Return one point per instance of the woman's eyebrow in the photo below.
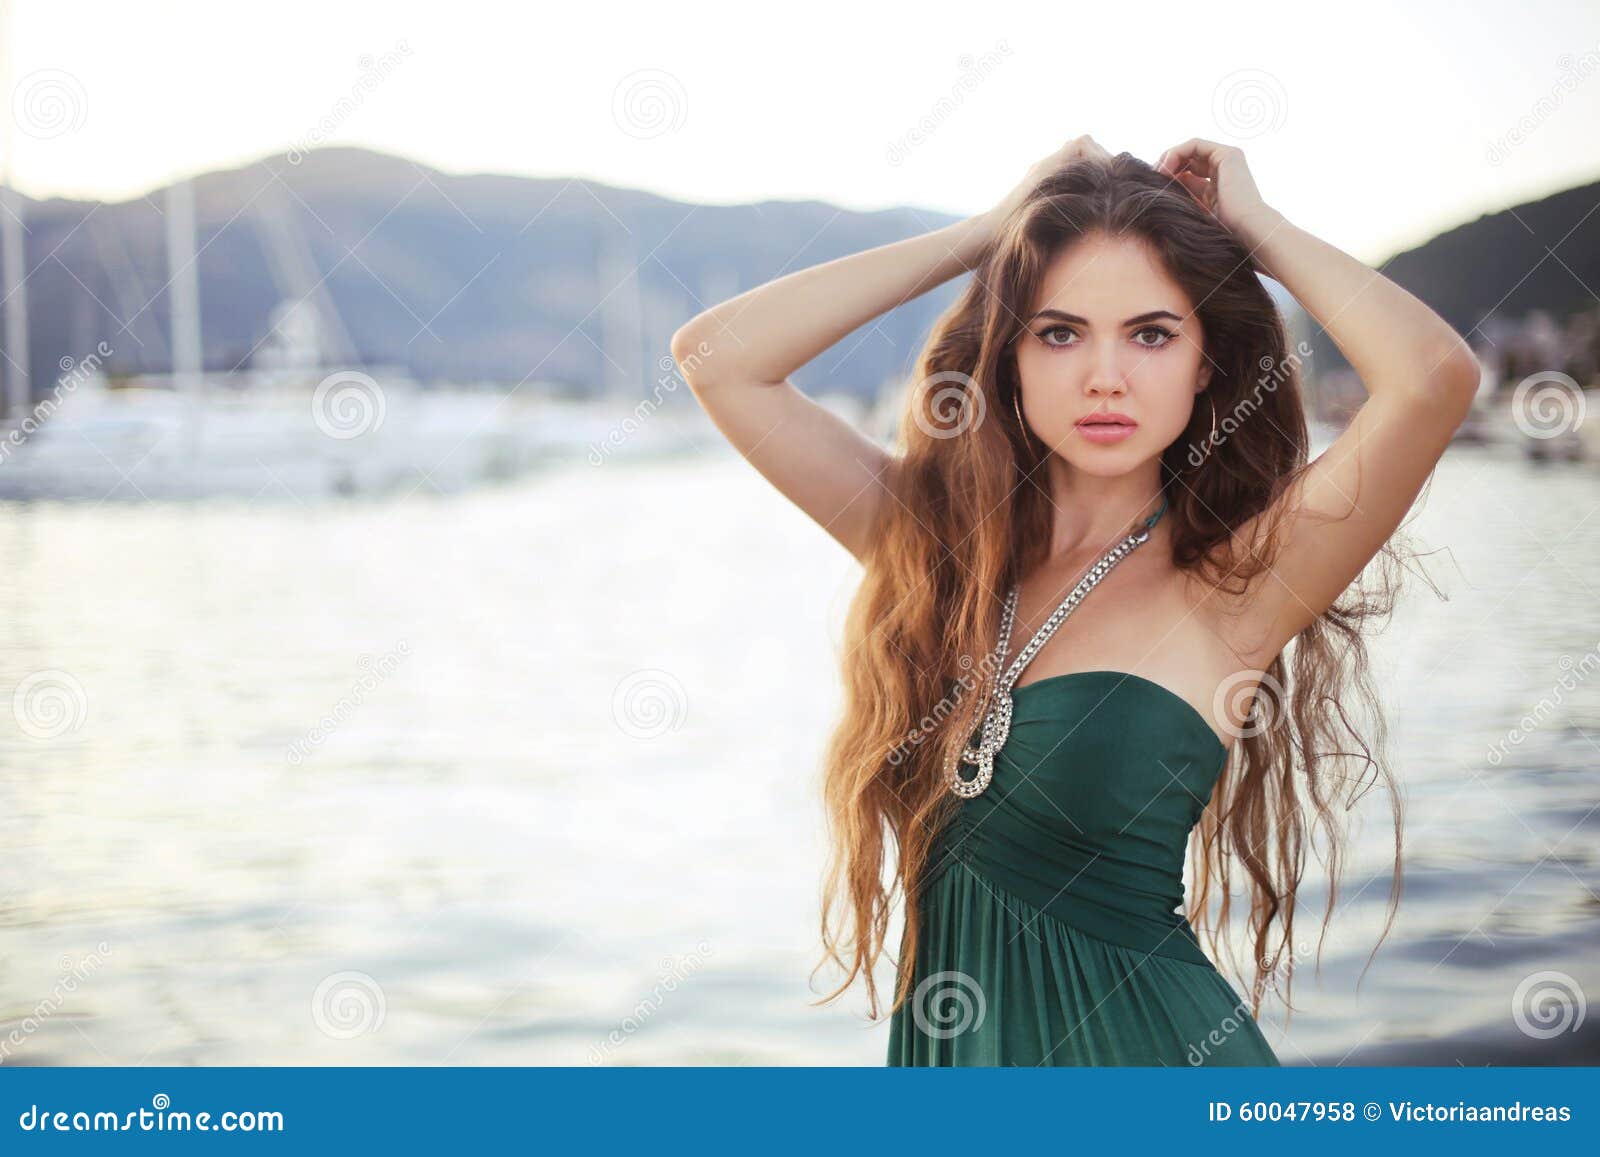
(1059, 315)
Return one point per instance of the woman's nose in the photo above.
(1106, 374)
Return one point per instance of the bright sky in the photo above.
(1369, 124)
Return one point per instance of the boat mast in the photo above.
(183, 285)
(17, 395)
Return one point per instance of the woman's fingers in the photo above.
(1173, 160)
(1197, 154)
(1077, 147)
(1216, 176)
(1084, 146)
(1199, 187)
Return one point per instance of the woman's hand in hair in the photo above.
(1218, 178)
(1078, 147)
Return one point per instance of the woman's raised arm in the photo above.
(737, 357)
(1420, 377)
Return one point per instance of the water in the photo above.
(564, 808)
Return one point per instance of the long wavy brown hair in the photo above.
(970, 515)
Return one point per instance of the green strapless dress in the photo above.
(1053, 931)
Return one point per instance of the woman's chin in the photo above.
(1103, 461)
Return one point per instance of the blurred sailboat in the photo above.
(306, 418)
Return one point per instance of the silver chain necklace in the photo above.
(997, 718)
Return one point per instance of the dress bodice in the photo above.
(1100, 781)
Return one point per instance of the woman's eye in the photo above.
(1057, 337)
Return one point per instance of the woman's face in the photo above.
(1110, 333)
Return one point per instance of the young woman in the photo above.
(1110, 406)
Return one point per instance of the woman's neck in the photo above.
(1092, 511)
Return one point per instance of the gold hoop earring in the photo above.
(1017, 406)
(1211, 444)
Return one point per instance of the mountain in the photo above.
(459, 278)
(573, 286)
(1537, 256)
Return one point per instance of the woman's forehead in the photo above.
(1107, 280)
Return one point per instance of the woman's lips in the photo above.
(1105, 432)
